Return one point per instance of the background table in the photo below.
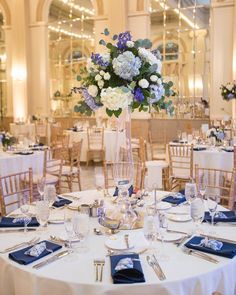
(73, 275)
(109, 143)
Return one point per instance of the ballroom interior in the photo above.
(117, 147)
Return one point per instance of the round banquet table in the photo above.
(12, 163)
(74, 274)
(109, 143)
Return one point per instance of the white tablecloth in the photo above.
(109, 143)
(73, 275)
(11, 163)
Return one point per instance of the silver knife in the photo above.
(52, 259)
(200, 255)
(159, 267)
(14, 230)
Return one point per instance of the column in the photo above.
(234, 60)
(222, 16)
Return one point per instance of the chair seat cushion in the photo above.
(49, 178)
(66, 170)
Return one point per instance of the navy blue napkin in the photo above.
(228, 250)
(8, 222)
(231, 217)
(127, 276)
(175, 140)
(199, 148)
(174, 200)
(21, 258)
(61, 202)
(228, 151)
(24, 153)
(131, 191)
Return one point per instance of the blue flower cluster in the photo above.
(98, 60)
(156, 91)
(89, 100)
(138, 94)
(122, 40)
(126, 65)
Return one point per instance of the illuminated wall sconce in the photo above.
(18, 73)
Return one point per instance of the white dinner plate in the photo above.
(179, 217)
(56, 221)
(171, 237)
(118, 243)
(163, 206)
(64, 237)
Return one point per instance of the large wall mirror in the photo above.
(180, 30)
(71, 41)
(3, 81)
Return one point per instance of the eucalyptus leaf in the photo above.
(114, 37)
(79, 78)
(106, 32)
(102, 42)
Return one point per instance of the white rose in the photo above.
(107, 76)
(130, 44)
(143, 83)
(98, 77)
(101, 72)
(159, 81)
(93, 90)
(100, 83)
(154, 78)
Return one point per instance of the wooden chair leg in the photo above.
(79, 183)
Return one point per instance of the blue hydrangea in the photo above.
(126, 65)
(97, 59)
(122, 40)
(220, 135)
(89, 100)
(138, 94)
(156, 91)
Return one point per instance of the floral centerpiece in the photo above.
(228, 91)
(6, 139)
(216, 132)
(127, 75)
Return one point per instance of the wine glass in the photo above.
(80, 224)
(197, 212)
(162, 229)
(50, 193)
(190, 191)
(42, 212)
(202, 186)
(24, 208)
(150, 230)
(212, 203)
(41, 182)
(68, 223)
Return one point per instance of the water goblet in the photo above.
(68, 223)
(162, 229)
(190, 191)
(197, 212)
(42, 212)
(150, 230)
(50, 193)
(80, 223)
(41, 182)
(24, 208)
(212, 203)
(202, 186)
(179, 134)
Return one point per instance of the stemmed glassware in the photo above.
(212, 203)
(150, 227)
(24, 202)
(162, 229)
(179, 134)
(80, 223)
(202, 186)
(68, 223)
(41, 182)
(42, 212)
(197, 212)
(190, 191)
(50, 193)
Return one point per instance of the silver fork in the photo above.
(29, 243)
(99, 264)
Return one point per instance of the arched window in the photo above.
(170, 51)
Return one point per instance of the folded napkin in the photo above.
(21, 257)
(131, 191)
(221, 216)
(61, 202)
(199, 148)
(227, 150)
(227, 250)
(175, 140)
(128, 275)
(24, 153)
(175, 199)
(8, 222)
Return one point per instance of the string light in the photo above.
(71, 34)
(78, 7)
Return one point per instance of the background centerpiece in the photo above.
(228, 91)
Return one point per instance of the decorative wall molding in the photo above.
(6, 12)
(222, 3)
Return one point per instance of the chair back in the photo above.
(157, 147)
(75, 153)
(218, 182)
(52, 165)
(13, 185)
(181, 161)
(95, 137)
(41, 129)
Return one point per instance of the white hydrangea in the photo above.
(107, 76)
(143, 83)
(90, 66)
(154, 78)
(115, 98)
(159, 81)
(100, 84)
(93, 90)
(149, 57)
(98, 77)
(102, 73)
(130, 44)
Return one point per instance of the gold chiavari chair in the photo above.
(220, 182)
(71, 164)
(13, 185)
(180, 164)
(158, 148)
(96, 148)
(56, 130)
(139, 174)
(41, 132)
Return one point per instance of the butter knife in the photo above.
(52, 259)
(126, 237)
(200, 255)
